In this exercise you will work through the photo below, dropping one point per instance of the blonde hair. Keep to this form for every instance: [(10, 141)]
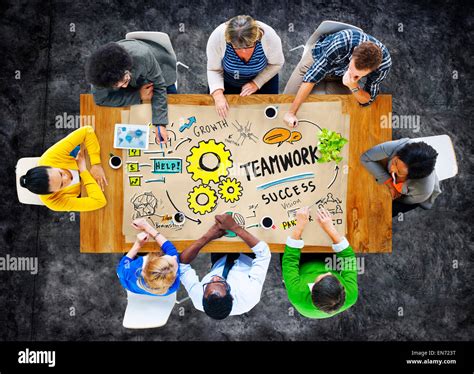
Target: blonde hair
[(158, 274), (242, 31)]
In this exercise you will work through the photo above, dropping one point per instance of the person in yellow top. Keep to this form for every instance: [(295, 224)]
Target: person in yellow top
[(58, 176)]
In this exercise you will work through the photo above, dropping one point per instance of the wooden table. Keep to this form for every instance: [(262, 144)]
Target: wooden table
[(369, 206)]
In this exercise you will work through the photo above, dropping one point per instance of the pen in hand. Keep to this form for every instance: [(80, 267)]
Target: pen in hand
[(159, 136)]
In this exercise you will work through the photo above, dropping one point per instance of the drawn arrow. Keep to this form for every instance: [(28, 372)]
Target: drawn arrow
[(335, 176), (308, 121), (174, 206), (191, 121), (181, 142)]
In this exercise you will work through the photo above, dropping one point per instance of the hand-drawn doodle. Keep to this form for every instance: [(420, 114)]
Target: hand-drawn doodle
[(279, 135), (133, 167), (244, 133), (198, 221), (145, 205), (158, 180), (181, 142), (191, 121), (202, 199), (336, 169), (293, 178), (253, 208), (134, 153), (300, 121), (167, 165), (331, 203), (230, 189), (135, 180), (209, 161)]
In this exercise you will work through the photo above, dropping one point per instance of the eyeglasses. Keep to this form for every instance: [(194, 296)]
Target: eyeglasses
[(221, 280), (126, 78)]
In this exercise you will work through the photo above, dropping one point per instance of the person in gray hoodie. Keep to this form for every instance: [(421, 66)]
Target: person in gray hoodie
[(130, 72), (407, 168)]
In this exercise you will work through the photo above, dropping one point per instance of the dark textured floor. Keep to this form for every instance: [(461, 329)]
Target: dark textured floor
[(437, 300)]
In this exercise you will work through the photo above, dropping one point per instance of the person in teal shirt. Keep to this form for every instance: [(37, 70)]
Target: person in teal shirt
[(314, 289)]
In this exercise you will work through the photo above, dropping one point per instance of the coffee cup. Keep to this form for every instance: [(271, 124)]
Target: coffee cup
[(267, 223), (179, 218), (115, 162), (271, 112)]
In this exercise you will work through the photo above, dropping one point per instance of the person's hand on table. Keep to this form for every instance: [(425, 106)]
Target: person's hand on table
[(249, 88), (142, 224), (81, 161), (226, 222), (290, 119), (215, 232), (302, 217), (163, 133), (97, 172), (324, 218), (222, 106), (146, 92)]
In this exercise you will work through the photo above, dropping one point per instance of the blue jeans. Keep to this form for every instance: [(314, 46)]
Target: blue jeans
[(171, 89), (271, 87)]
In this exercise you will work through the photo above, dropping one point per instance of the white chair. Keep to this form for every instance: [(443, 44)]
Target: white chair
[(327, 27), (160, 38), (146, 312), (446, 164), (24, 195)]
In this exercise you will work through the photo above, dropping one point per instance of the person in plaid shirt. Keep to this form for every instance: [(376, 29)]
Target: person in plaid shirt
[(350, 54)]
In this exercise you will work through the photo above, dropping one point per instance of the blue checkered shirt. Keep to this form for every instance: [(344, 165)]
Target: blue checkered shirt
[(332, 54)]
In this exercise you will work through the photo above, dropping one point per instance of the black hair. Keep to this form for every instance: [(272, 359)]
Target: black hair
[(420, 159), (36, 180), (107, 65), (328, 294), (217, 307)]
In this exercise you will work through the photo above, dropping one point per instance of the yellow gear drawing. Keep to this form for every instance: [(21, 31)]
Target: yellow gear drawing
[(230, 190), (196, 165), (208, 206)]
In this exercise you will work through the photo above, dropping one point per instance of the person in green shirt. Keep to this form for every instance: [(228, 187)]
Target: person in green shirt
[(314, 289)]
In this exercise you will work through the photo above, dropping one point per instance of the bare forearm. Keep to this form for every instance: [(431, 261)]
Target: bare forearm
[(247, 237), (301, 96), (333, 234), (190, 253), (160, 239), (297, 232), (132, 253)]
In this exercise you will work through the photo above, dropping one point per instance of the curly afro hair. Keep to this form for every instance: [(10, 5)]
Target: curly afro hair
[(420, 159), (107, 65)]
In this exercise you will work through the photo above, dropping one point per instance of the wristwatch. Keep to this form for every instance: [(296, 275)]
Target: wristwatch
[(354, 90)]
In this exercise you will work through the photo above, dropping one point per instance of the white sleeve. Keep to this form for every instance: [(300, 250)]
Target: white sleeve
[(190, 281), (260, 264), (273, 50), (339, 247), (215, 52)]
